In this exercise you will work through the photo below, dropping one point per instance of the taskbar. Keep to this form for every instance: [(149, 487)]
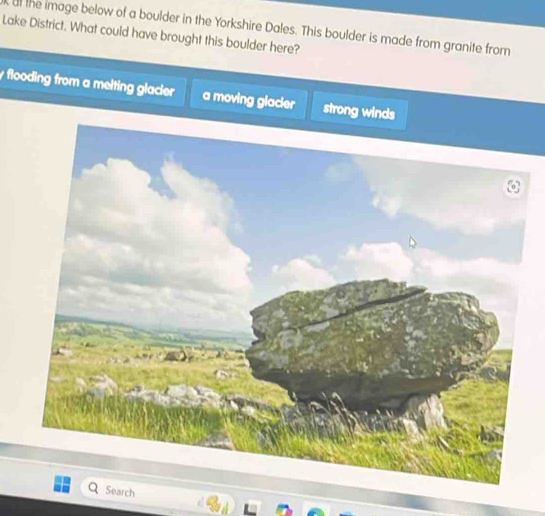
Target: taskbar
[(56, 479)]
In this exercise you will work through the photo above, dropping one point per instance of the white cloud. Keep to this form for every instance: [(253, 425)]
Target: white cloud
[(133, 254), (447, 196), (313, 258), (492, 281), (339, 172), (303, 274), (489, 276), (378, 261)]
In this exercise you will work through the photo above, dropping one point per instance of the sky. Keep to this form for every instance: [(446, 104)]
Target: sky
[(194, 233)]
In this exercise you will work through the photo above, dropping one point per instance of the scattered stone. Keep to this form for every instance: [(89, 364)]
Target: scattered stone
[(325, 425), (220, 374), (178, 396), (80, 382), (64, 352), (96, 393), (103, 386), (123, 360), (505, 376), (175, 356), (289, 413), (264, 440), (418, 414), (489, 373), (246, 401), (205, 395), (490, 434), (244, 363), (494, 455), (56, 379), (219, 440), (426, 411), (411, 429), (248, 411), (396, 342)]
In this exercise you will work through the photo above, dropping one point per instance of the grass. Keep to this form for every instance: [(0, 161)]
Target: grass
[(473, 403)]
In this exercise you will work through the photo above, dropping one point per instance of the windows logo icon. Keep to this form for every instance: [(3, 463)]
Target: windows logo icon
[(62, 484)]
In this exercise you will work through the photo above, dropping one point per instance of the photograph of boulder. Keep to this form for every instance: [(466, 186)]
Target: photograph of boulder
[(320, 306)]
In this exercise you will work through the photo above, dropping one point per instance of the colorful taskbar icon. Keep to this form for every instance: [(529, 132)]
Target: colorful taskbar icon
[(315, 509), (283, 509)]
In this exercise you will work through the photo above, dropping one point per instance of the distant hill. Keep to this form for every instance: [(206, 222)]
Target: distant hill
[(81, 328), (72, 319)]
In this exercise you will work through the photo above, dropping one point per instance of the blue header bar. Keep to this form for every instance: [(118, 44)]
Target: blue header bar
[(386, 113), (518, 12)]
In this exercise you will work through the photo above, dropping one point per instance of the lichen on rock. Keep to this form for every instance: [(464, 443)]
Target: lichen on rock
[(373, 343)]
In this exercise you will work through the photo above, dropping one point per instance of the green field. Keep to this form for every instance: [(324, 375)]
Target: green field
[(455, 453)]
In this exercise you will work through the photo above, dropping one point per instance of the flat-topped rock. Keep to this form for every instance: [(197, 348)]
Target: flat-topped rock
[(373, 343)]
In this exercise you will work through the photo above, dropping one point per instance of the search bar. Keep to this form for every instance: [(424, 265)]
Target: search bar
[(163, 497)]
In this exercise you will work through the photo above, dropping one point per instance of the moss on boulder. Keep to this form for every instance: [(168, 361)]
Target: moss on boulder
[(373, 343)]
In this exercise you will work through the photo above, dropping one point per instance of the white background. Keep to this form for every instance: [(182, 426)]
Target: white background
[(36, 162)]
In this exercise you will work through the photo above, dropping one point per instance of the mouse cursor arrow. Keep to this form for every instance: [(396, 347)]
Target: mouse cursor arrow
[(412, 243)]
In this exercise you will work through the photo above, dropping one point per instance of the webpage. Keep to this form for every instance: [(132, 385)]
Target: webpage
[(273, 244)]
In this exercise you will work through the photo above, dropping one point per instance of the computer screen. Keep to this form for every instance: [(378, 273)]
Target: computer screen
[(273, 257)]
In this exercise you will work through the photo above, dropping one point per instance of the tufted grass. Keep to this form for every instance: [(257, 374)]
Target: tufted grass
[(473, 403)]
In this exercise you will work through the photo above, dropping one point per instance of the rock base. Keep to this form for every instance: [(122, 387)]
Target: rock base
[(419, 413)]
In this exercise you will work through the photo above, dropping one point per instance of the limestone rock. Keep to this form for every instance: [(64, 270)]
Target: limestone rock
[(246, 401), (425, 411), (178, 396), (490, 434), (417, 416), (249, 412), (151, 396), (220, 374), (175, 356), (489, 373), (96, 393), (81, 383), (494, 456), (103, 386), (219, 440), (103, 381), (370, 342), (505, 376), (64, 352), (411, 429), (264, 439)]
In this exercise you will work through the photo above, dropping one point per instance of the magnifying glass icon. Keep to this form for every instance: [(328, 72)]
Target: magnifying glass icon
[(93, 487)]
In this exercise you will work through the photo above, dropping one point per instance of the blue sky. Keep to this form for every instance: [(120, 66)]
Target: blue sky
[(294, 203)]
